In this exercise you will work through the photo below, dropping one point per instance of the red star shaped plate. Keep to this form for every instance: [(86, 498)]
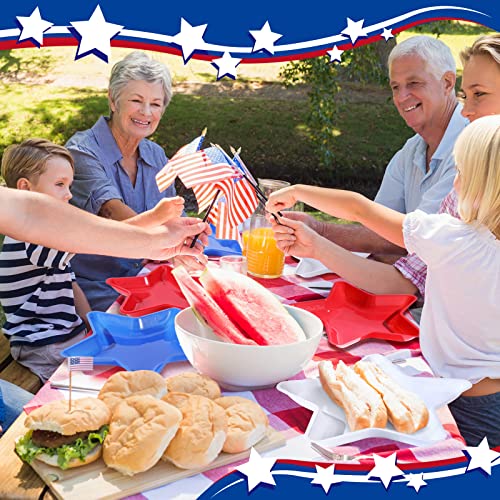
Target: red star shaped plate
[(350, 315), (150, 293)]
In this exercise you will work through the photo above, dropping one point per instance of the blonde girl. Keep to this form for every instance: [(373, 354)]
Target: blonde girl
[(460, 333)]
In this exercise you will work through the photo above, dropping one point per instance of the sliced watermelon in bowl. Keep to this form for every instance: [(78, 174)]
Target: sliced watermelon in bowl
[(207, 311), (252, 308)]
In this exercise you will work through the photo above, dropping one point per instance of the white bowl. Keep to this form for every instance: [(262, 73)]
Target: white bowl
[(243, 367)]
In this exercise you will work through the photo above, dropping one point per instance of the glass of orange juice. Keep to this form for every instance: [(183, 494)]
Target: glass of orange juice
[(244, 237), (264, 258)]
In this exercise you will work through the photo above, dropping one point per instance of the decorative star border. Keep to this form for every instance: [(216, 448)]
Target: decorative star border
[(95, 34), (258, 470)]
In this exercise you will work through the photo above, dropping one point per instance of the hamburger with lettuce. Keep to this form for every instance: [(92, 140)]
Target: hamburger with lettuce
[(64, 438)]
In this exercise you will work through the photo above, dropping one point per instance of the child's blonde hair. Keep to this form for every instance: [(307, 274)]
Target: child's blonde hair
[(28, 159), (477, 156)]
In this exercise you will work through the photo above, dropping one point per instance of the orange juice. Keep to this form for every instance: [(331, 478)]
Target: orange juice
[(244, 240), (264, 258)]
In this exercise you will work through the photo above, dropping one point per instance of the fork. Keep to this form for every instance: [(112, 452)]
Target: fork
[(330, 455)]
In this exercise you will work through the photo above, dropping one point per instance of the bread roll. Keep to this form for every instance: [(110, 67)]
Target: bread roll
[(363, 406), (193, 383), (406, 411), (86, 414), (124, 384), (246, 423), (92, 456), (201, 434), (141, 428)]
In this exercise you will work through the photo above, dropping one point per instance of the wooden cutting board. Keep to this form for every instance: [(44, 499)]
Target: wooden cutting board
[(98, 481)]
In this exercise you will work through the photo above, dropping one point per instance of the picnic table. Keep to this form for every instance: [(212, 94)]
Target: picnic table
[(289, 418)]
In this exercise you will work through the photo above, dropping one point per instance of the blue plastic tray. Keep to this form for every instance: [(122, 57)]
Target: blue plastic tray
[(219, 247), (144, 343)]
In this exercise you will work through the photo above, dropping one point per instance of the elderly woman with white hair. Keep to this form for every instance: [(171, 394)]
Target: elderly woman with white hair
[(115, 165)]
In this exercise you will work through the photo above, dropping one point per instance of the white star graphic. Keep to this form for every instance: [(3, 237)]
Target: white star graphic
[(33, 27), (264, 38), (354, 30), (385, 469), (481, 457), (326, 477), (335, 54), (226, 65), (189, 38), (416, 481), (387, 34), (96, 35), (257, 470)]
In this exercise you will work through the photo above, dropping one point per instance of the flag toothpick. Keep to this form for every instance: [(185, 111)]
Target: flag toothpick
[(80, 363)]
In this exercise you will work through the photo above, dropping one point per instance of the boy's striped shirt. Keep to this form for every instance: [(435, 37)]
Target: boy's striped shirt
[(36, 294)]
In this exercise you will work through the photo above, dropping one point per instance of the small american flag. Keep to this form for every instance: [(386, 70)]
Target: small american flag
[(219, 217), (192, 146), (199, 167), (243, 168), (236, 204), (167, 174), (205, 193), (81, 363), (243, 202)]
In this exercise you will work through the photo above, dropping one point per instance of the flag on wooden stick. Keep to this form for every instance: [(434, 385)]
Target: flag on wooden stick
[(167, 174)]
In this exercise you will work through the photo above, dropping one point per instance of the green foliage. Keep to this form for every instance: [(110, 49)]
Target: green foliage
[(362, 65), (449, 27)]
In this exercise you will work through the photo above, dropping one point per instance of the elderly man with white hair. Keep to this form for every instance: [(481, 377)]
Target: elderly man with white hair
[(422, 76)]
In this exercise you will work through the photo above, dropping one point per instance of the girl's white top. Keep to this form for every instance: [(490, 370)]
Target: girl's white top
[(460, 326)]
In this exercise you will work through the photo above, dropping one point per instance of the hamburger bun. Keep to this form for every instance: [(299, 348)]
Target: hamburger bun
[(123, 384), (201, 434), (193, 383), (94, 455), (67, 434), (87, 414), (246, 423), (140, 430)]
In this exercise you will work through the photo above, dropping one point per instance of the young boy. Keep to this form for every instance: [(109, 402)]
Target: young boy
[(43, 303)]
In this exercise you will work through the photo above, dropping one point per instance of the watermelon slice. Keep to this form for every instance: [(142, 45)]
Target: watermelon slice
[(207, 310), (251, 307)]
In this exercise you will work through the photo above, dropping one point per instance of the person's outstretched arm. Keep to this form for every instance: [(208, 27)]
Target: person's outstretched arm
[(42, 220), (348, 205)]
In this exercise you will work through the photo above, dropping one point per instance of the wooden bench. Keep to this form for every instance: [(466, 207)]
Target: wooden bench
[(12, 371)]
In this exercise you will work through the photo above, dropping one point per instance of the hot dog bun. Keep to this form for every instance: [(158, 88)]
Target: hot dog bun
[(406, 411), (363, 406)]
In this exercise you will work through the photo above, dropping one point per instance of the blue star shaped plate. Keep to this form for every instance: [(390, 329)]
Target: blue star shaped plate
[(143, 343), (219, 247)]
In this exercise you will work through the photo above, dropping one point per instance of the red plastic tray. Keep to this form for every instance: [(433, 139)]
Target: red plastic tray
[(350, 315), (150, 293)]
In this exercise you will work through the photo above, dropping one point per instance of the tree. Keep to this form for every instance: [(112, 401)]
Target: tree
[(365, 64)]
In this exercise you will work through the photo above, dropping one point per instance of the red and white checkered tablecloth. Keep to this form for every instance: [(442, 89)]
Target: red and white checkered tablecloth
[(284, 414)]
